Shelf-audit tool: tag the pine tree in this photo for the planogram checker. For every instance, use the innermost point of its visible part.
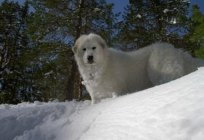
(13, 42)
(196, 33)
(149, 21)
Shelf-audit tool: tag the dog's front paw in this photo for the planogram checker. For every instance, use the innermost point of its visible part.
(95, 101)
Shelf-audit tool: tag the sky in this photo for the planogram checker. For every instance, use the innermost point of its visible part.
(120, 5)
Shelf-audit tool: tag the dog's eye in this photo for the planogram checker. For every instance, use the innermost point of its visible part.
(93, 48)
(84, 49)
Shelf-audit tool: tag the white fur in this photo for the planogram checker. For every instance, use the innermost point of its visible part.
(115, 72)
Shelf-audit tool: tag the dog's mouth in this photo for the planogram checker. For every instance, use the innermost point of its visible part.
(90, 62)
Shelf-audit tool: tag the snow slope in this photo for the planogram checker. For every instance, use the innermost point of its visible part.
(173, 111)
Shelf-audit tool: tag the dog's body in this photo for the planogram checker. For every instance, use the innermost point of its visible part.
(107, 72)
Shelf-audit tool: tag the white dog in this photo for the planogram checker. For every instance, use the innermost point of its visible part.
(108, 72)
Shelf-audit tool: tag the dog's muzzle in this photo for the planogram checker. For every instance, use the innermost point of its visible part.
(90, 59)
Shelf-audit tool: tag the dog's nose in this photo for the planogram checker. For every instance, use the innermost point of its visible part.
(90, 59)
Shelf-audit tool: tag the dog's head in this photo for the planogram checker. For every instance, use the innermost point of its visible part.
(89, 49)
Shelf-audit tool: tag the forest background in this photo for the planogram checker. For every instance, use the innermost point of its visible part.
(36, 36)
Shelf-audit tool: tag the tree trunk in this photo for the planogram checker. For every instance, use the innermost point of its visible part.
(74, 83)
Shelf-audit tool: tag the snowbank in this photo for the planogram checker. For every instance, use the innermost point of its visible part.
(173, 111)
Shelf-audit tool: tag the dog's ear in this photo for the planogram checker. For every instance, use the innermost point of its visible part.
(74, 49)
(78, 43)
(101, 41)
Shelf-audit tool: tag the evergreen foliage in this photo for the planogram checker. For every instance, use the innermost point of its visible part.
(148, 21)
(36, 61)
(13, 42)
(196, 34)
(37, 37)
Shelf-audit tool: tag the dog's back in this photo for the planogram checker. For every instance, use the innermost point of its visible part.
(167, 63)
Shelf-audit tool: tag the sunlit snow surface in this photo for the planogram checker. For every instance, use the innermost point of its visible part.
(173, 111)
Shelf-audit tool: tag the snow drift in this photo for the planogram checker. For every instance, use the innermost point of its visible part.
(172, 111)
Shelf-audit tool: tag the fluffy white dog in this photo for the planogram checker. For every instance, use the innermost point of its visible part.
(108, 72)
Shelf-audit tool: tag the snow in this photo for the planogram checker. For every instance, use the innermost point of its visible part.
(172, 111)
(97, 10)
(187, 1)
(139, 16)
(166, 10)
(49, 73)
(173, 21)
